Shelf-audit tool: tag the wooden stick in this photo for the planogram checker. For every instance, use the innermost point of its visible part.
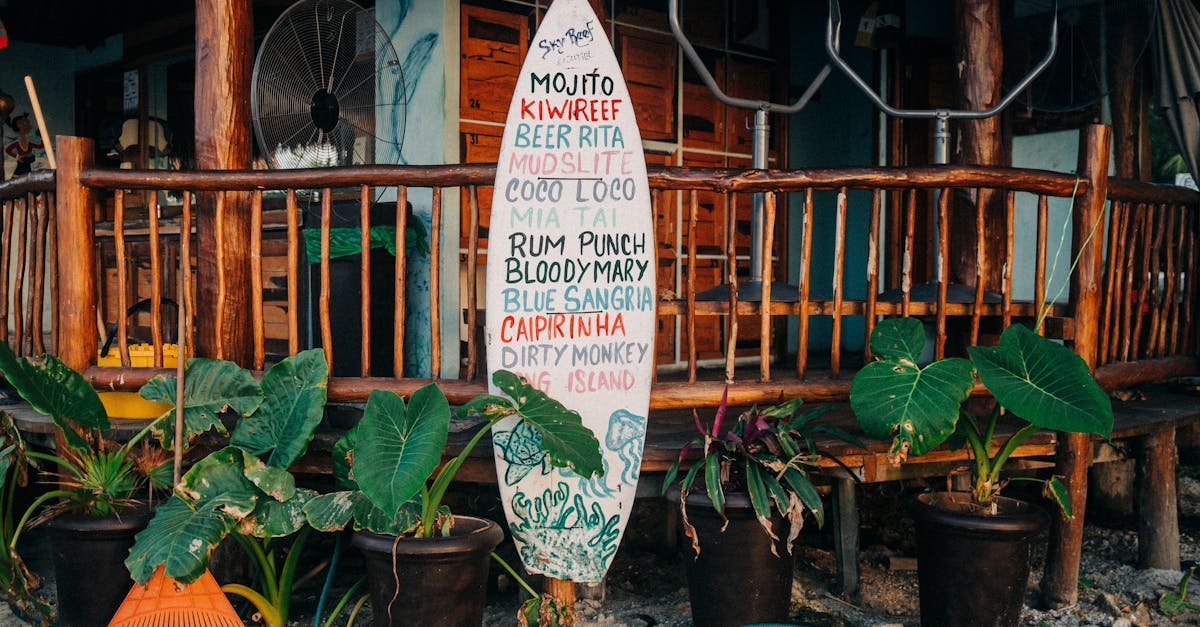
(323, 297)
(1010, 213)
(691, 284)
(656, 201)
(435, 285)
(1039, 273)
(222, 287)
(872, 272)
(1168, 288)
(293, 272)
(732, 279)
(185, 233)
(839, 267)
(122, 297)
(1189, 300)
(52, 253)
(156, 337)
(910, 224)
(472, 281)
(1139, 228)
(24, 272)
(805, 283)
(1170, 326)
(6, 231)
(47, 141)
(943, 270)
(1150, 291)
(364, 280)
(1120, 271)
(39, 274)
(1110, 272)
(398, 317)
(1143, 280)
(764, 330)
(980, 265)
(257, 321)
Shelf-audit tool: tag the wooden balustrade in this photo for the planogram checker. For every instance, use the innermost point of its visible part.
(27, 263)
(1145, 310)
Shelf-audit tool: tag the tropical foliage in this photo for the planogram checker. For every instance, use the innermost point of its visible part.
(1042, 382)
(244, 489)
(765, 452)
(385, 465)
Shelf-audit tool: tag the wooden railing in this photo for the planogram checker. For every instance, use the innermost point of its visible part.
(27, 263)
(1124, 294)
(1144, 312)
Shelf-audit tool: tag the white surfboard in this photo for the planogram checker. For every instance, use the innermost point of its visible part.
(571, 290)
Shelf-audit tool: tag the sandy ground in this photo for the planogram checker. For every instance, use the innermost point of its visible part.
(646, 585)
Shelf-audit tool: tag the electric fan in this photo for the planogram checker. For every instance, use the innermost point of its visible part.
(327, 88)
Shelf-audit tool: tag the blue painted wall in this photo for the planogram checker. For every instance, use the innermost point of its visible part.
(836, 129)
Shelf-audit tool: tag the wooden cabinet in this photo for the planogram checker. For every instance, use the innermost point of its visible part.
(648, 61)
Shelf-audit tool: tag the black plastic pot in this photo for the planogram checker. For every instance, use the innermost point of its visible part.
(736, 579)
(442, 581)
(89, 564)
(973, 568)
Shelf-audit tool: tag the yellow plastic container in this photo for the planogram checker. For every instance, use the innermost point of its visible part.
(140, 356)
(130, 405)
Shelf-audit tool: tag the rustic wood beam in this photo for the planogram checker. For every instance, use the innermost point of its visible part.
(980, 62)
(1060, 585)
(224, 49)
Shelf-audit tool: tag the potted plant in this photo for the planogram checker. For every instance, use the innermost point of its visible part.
(93, 512)
(425, 565)
(243, 489)
(751, 511)
(974, 547)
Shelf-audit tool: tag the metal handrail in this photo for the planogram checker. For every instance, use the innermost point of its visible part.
(942, 117)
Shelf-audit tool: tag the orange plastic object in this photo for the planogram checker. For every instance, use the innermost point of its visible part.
(164, 603)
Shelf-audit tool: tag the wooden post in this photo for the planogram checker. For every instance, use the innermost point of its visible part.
(980, 62)
(1060, 585)
(845, 534)
(75, 309)
(563, 591)
(1157, 507)
(224, 49)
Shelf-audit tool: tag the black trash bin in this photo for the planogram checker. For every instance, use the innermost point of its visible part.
(345, 284)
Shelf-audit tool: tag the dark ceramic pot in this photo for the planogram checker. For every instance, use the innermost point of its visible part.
(89, 564)
(736, 579)
(442, 581)
(973, 568)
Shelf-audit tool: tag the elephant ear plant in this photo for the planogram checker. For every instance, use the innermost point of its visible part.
(244, 489)
(386, 464)
(1043, 383)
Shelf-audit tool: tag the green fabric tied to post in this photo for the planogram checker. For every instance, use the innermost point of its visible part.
(347, 241)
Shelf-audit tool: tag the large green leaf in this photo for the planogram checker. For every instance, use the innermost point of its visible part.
(333, 511)
(898, 338)
(210, 387)
(1043, 382)
(294, 393)
(182, 535)
(567, 442)
(398, 447)
(220, 472)
(893, 397)
(53, 388)
(276, 519)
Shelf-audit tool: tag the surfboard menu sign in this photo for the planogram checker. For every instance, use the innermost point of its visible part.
(571, 290)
